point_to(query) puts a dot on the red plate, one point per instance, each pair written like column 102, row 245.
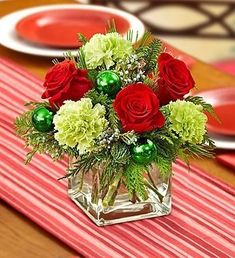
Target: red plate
column 59, row 28
column 223, row 101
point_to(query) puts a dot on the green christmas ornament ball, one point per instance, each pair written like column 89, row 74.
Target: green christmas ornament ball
column 42, row 119
column 108, row 82
column 143, row 152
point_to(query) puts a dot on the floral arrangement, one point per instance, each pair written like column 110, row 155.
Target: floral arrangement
column 120, row 104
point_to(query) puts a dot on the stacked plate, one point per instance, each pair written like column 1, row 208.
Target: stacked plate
column 223, row 101
column 50, row 30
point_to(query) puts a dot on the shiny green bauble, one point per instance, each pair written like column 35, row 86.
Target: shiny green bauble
column 143, row 152
column 108, row 82
column 42, row 119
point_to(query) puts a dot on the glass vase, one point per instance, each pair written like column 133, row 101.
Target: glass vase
column 115, row 204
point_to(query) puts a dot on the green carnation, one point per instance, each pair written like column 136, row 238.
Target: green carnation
column 106, row 50
column 188, row 121
column 78, row 124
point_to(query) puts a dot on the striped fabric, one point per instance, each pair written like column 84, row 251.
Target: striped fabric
column 201, row 224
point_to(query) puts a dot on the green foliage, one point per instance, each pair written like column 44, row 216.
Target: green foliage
column 82, row 38
column 92, row 74
column 97, row 97
column 113, row 119
column 129, row 138
column 134, row 178
column 120, row 153
column 206, row 106
column 151, row 82
column 81, row 62
column 69, row 56
column 129, row 35
column 37, row 104
column 104, row 100
column 145, row 39
column 163, row 164
column 23, row 123
column 150, row 53
column 42, row 143
column 111, row 168
column 86, row 162
column 154, row 49
column 198, row 150
column 111, row 26
column 117, row 158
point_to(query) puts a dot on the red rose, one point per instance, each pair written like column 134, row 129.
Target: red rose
column 137, row 107
column 65, row 82
column 175, row 80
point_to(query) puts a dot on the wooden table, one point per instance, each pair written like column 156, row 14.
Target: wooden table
column 19, row 237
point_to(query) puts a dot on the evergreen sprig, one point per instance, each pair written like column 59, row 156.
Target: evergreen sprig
column 129, row 138
column 82, row 38
column 120, row 153
column 134, row 179
column 197, row 100
column 86, row 162
column 81, row 62
column 112, row 117
column 111, row 26
column 42, row 143
column 150, row 53
column 97, row 97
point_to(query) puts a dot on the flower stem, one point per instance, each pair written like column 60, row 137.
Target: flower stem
column 112, row 188
column 95, row 186
column 160, row 196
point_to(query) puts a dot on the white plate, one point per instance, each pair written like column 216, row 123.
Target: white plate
column 223, row 142
column 9, row 38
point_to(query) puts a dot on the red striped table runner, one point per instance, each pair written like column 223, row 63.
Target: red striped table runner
column 201, row 224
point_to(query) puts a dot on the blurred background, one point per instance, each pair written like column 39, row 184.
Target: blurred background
column 204, row 29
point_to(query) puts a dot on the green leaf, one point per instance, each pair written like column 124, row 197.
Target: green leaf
column 134, row 175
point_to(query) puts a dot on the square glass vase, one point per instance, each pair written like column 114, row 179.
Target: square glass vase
column 113, row 204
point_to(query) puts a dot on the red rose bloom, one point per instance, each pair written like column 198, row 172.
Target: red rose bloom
column 65, row 82
column 137, row 107
column 175, row 80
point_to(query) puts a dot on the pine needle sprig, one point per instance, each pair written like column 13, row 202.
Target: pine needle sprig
column 42, row 143
column 198, row 150
column 81, row 62
column 36, row 104
column 150, row 53
column 164, row 165
column 120, row 153
column 97, row 97
column 129, row 35
column 134, row 178
column 86, row 162
column 111, row 168
column 113, row 118
column 145, row 39
column 206, row 106
column 129, row 138
column 82, row 38
column 23, row 123
column 92, row 74
column 111, row 26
